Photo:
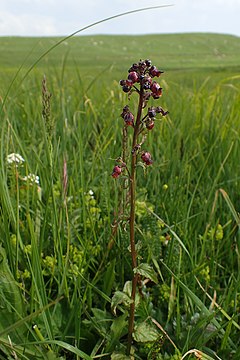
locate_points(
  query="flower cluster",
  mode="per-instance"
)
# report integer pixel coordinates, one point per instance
(143, 73)
(17, 161)
(15, 158)
(140, 80)
(32, 178)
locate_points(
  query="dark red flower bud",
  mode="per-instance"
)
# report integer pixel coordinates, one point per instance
(160, 110)
(116, 171)
(155, 72)
(150, 124)
(152, 112)
(142, 66)
(122, 82)
(147, 82)
(156, 90)
(148, 62)
(158, 94)
(146, 158)
(155, 87)
(129, 83)
(133, 76)
(134, 67)
(129, 119)
(125, 110)
(126, 88)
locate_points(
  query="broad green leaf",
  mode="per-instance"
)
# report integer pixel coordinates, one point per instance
(118, 325)
(118, 298)
(118, 328)
(127, 289)
(119, 356)
(147, 271)
(109, 278)
(145, 332)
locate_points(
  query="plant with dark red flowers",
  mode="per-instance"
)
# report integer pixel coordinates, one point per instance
(140, 81)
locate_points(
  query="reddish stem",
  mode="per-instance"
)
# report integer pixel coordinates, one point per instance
(132, 221)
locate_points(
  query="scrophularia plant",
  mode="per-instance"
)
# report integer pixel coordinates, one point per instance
(140, 81)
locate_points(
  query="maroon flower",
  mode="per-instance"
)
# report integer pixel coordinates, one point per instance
(156, 90)
(146, 158)
(129, 119)
(160, 110)
(155, 87)
(116, 171)
(147, 82)
(127, 116)
(150, 124)
(133, 76)
(155, 72)
(152, 112)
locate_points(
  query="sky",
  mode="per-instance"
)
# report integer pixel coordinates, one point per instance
(63, 17)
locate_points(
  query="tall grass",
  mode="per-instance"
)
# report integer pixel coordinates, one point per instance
(55, 270)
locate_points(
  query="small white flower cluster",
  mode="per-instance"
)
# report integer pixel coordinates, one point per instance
(91, 193)
(15, 159)
(34, 179)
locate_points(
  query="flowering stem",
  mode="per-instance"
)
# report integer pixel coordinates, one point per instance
(140, 81)
(132, 220)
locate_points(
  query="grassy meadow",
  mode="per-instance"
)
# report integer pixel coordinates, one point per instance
(61, 260)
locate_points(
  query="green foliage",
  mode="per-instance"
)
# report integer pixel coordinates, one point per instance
(59, 262)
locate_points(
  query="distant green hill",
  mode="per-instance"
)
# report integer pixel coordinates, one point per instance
(175, 51)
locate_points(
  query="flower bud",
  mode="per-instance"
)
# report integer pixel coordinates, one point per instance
(129, 83)
(116, 171)
(156, 90)
(152, 112)
(155, 72)
(126, 88)
(146, 158)
(155, 87)
(160, 110)
(133, 76)
(149, 124)
(148, 62)
(122, 82)
(129, 119)
(147, 82)
(134, 67)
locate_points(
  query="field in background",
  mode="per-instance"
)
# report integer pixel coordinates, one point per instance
(193, 187)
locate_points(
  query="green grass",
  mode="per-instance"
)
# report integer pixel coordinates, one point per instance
(55, 270)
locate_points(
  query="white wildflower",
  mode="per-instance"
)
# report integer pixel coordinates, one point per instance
(17, 159)
(91, 193)
(34, 179)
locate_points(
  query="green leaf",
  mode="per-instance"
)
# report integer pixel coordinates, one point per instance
(109, 278)
(118, 329)
(118, 326)
(145, 332)
(118, 298)
(147, 271)
(119, 356)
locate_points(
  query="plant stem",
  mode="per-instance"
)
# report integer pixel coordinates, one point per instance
(132, 220)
